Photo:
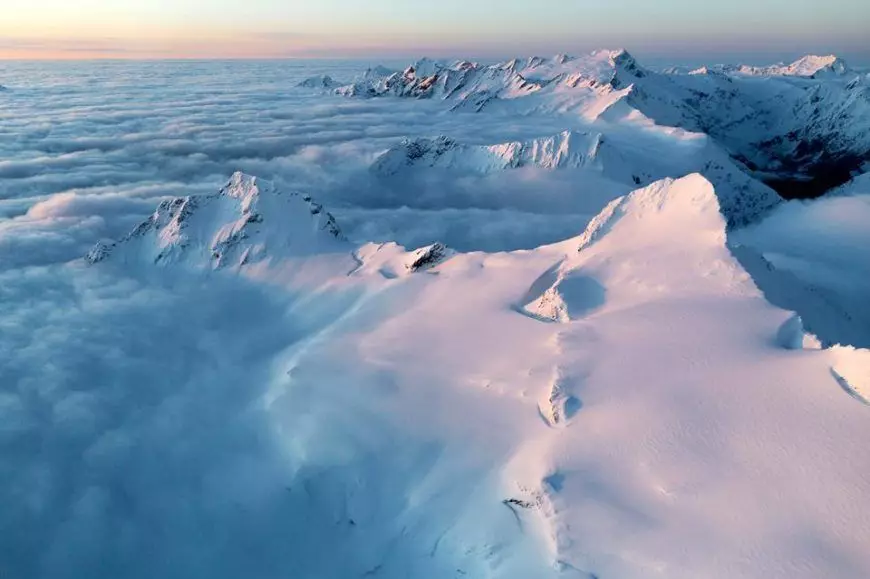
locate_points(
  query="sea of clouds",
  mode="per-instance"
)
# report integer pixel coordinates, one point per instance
(132, 430)
(133, 437)
(88, 149)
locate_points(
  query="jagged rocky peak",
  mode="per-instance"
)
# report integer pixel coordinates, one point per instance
(248, 220)
(472, 85)
(423, 68)
(621, 57)
(625, 68)
(566, 149)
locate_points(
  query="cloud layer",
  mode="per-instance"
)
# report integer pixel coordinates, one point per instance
(119, 443)
(101, 142)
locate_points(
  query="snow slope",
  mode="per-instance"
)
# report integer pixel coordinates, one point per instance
(440, 424)
(813, 257)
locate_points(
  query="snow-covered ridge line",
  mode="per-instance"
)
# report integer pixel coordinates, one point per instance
(473, 85)
(810, 120)
(566, 149)
(615, 157)
(251, 221)
(244, 222)
(689, 205)
(811, 66)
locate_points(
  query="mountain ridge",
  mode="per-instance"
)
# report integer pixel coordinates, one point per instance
(226, 229)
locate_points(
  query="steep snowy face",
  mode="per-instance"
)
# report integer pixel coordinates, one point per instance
(626, 159)
(687, 203)
(812, 128)
(567, 149)
(245, 222)
(644, 223)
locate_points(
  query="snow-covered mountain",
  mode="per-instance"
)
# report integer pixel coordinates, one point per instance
(472, 86)
(444, 417)
(247, 221)
(617, 156)
(672, 381)
(811, 66)
(807, 119)
(568, 149)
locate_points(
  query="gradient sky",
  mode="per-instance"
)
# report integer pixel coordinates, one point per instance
(684, 30)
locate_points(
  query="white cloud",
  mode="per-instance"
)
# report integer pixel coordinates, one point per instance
(120, 398)
(163, 424)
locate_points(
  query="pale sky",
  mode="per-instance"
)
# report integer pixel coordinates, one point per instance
(681, 29)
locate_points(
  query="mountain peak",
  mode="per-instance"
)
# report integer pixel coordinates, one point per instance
(244, 187)
(675, 202)
(246, 221)
(808, 66)
(812, 65)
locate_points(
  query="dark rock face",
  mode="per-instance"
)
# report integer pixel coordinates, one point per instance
(429, 257)
(817, 179)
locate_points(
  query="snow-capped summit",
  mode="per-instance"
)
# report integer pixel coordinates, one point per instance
(810, 66)
(690, 201)
(248, 220)
(625, 68)
(645, 218)
(423, 68)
